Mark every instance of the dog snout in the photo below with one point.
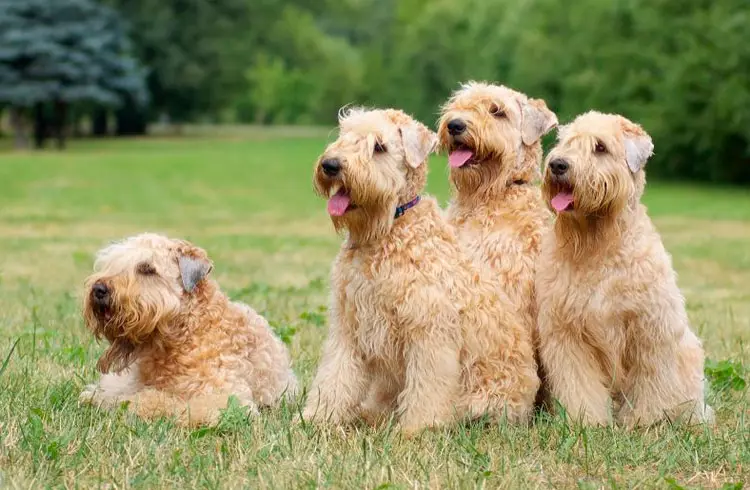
(100, 293)
(559, 166)
(456, 126)
(331, 166)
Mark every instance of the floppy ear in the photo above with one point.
(537, 120)
(193, 271)
(638, 145)
(418, 143)
(638, 148)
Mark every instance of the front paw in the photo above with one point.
(316, 415)
(410, 431)
(89, 395)
(310, 416)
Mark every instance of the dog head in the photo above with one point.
(139, 289)
(597, 167)
(377, 163)
(492, 136)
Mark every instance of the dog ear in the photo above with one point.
(193, 270)
(638, 145)
(537, 120)
(418, 143)
(637, 151)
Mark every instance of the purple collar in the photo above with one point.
(404, 207)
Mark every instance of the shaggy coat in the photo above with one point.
(492, 135)
(414, 331)
(614, 335)
(178, 345)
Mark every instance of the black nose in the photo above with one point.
(331, 166)
(100, 292)
(456, 126)
(558, 166)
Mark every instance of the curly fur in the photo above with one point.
(497, 209)
(415, 330)
(174, 351)
(614, 335)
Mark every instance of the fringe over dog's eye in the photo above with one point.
(379, 147)
(146, 269)
(600, 148)
(496, 111)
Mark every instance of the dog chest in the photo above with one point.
(369, 309)
(587, 302)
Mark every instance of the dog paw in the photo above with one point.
(410, 431)
(309, 416)
(89, 395)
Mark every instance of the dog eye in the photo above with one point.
(146, 269)
(379, 148)
(496, 111)
(600, 148)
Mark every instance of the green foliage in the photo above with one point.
(726, 375)
(681, 69)
(65, 50)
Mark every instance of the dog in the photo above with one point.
(415, 331)
(492, 134)
(614, 335)
(177, 345)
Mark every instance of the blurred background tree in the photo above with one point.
(60, 58)
(679, 67)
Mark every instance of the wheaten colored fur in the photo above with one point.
(178, 346)
(415, 331)
(614, 334)
(497, 207)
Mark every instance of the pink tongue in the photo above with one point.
(562, 200)
(338, 203)
(459, 157)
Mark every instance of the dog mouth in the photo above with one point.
(563, 200)
(339, 200)
(461, 155)
(103, 312)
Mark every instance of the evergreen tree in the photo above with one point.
(55, 53)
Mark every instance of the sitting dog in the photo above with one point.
(493, 136)
(178, 346)
(415, 331)
(613, 330)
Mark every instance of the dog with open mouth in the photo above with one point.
(492, 136)
(415, 330)
(614, 335)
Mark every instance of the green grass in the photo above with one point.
(249, 202)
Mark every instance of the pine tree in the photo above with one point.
(58, 53)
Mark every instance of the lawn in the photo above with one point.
(249, 202)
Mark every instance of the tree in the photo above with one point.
(198, 51)
(54, 53)
(681, 68)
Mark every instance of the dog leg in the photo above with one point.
(202, 410)
(112, 388)
(432, 384)
(339, 384)
(380, 402)
(666, 380)
(575, 378)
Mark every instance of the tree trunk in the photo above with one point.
(60, 118)
(76, 124)
(40, 125)
(130, 120)
(99, 122)
(19, 128)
